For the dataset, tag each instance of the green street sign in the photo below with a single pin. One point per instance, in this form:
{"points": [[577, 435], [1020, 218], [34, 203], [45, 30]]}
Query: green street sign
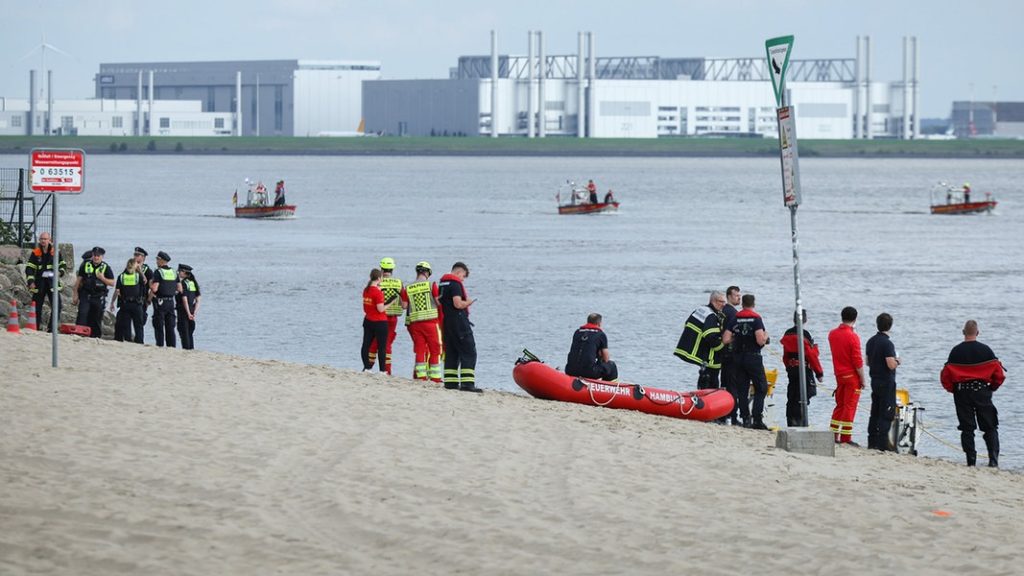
{"points": [[778, 50]]}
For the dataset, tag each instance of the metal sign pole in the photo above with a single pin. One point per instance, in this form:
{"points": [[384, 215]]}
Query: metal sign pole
{"points": [[777, 51], [799, 318], [55, 283]]}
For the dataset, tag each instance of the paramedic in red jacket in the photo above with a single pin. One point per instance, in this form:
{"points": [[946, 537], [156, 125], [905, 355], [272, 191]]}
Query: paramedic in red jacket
{"points": [[848, 365], [972, 373]]}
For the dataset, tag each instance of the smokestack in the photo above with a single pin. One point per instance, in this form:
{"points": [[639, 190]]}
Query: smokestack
{"points": [[916, 86], [868, 128], [581, 101], [529, 85], [494, 83], [856, 93], [906, 89], [138, 107], [31, 102], [592, 75], [151, 102], [541, 73], [49, 102], [238, 103]]}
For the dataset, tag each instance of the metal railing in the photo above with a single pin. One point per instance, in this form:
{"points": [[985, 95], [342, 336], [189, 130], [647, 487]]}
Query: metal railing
{"points": [[22, 215]]}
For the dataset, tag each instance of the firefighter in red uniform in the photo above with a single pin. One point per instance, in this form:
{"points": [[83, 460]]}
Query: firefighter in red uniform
{"points": [[972, 373], [848, 364], [419, 299], [791, 358], [391, 287]]}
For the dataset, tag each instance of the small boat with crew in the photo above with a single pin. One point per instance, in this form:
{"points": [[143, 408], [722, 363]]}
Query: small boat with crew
{"points": [[947, 199], [584, 200], [258, 204], [544, 382]]}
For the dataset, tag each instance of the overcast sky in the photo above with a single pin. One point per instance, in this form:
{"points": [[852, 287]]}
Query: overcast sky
{"points": [[979, 42]]}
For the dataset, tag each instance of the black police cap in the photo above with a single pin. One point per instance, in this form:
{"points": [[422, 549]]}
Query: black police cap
{"points": [[184, 267], [163, 256], [98, 250], [139, 250]]}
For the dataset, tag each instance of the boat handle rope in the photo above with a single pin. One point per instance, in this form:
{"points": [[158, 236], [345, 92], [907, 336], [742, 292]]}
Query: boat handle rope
{"points": [[580, 382]]}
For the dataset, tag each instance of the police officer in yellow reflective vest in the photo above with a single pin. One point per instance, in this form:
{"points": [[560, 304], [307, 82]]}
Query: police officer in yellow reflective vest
{"points": [[94, 277], [392, 288], [165, 289], [701, 340], [419, 299], [187, 306]]}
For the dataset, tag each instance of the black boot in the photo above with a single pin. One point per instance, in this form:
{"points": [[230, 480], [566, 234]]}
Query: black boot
{"points": [[758, 425], [992, 444], [972, 458], [746, 422]]}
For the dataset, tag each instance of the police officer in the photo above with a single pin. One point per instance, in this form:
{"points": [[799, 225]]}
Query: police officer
{"points": [[188, 306], [94, 277], [130, 293], [747, 334], [147, 273], [164, 289], [459, 344], [728, 373], [39, 275]]}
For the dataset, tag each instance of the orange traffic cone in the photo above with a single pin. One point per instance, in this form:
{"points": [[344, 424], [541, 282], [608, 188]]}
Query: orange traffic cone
{"points": [[12, 321], [30, 324]]}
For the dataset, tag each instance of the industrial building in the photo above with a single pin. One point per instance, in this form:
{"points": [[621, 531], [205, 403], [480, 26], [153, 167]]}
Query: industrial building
{"points": [[583, 95], [42, 114], [992, 119], [278, 97]]}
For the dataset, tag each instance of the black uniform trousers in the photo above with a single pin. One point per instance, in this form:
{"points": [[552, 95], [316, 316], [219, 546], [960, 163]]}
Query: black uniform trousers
{"points": [[90, 312], [43, 296], [794, 415], [186, 330], [974, 409], [883, 411], [129, 321], [459, 355], [750, 370], [375, 331], [728, 380], [163, 321]]}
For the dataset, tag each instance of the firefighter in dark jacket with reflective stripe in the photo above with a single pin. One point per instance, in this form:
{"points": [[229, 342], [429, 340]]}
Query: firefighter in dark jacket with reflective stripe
{"points": [[187, 306], [701, 340], [39, 275], [94, 277], [589, 356], [459, 343], [130, 294], [972, 373], [747, 334], [164, 289]]}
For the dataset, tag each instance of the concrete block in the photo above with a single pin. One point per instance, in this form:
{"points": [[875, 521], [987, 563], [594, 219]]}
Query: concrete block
{"points": [[816, 442]]}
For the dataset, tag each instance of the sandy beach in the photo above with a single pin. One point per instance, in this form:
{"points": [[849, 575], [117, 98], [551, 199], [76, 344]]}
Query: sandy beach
{"points": [[137, 460]]}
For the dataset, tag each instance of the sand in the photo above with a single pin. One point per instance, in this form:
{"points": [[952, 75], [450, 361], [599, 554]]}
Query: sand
{"points": [[138, 460]]}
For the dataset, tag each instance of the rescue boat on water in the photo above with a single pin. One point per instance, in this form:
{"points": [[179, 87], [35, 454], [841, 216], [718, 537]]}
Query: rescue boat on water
{"points": [[958, 200], [542, 381], [579, 201], [258, 205]]}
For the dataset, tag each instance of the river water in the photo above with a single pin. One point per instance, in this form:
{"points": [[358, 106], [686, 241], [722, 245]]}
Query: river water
{"points": [[290, 289]]}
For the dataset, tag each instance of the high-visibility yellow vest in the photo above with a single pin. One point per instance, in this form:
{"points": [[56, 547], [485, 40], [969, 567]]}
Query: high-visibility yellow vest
{"points": [[167, 274], [129, 279], [392, 287], [421, 301]]}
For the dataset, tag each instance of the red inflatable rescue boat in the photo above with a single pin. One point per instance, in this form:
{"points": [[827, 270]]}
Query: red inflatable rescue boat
{"points": [[543, 381]]}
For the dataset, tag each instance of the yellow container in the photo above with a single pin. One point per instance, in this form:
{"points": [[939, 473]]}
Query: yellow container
{"points": [[902, 397], [772, 375]]}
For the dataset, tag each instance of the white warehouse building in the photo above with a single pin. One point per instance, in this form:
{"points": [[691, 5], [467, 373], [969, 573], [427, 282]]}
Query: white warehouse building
{"points": [[644, 97]]}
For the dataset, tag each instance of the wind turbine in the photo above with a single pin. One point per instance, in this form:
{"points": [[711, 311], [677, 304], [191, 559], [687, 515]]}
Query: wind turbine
{"points": [[42, 48]]}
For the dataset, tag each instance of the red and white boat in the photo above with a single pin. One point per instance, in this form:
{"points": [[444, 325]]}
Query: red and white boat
{"points": [[579, 201], [957, 201], [543, 381], [282, 211], [258, 205]]}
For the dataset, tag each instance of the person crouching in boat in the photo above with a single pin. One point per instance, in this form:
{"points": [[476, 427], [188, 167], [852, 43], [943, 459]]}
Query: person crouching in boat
{"points": [[279, 194], [589, 356], [609, 197]]}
